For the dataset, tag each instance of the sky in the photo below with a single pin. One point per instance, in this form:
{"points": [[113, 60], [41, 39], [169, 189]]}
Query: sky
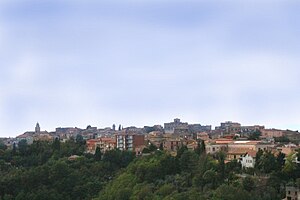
{"points": [[73, 63]]}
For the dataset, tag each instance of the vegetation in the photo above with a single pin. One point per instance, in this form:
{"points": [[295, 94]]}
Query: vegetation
{"points": [[43, 171], [191, 175], [46, 171]]}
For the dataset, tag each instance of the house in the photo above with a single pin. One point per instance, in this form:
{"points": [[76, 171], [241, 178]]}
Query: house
{"points": [[202, 136], [248, 160], [25, 136], [172, 144], [104, 143], [292, 193]]}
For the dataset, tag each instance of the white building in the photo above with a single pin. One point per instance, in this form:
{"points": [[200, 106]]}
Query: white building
{"points": [[248, 160]]}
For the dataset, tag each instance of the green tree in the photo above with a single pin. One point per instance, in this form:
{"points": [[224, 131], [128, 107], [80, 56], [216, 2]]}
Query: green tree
{"points": [[56, 144], [181, 150], [22, 146], [98, 154], [79, 139], [254, 135], [228, 192], [2, 146], [267, 162], [248, 183]]}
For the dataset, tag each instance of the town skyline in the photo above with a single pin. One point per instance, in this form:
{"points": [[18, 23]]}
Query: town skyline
{"points": [[213, 126]]}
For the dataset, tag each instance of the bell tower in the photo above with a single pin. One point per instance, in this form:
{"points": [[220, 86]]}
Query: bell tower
{"points": [[37, 128]]}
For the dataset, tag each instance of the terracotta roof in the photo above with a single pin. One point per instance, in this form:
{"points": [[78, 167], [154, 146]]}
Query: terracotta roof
{"points": [[252, 153], [238, 151], [107, 139]]}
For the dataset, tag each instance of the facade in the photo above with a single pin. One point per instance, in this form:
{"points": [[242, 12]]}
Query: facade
{"points": [[212, 148], [248, 160], [237, 128], [202, 136], [25, 136], [172, 144], [105, 144], [129, 141], [195, 128], [293, 136], [229, 127], [271, 133], [292, 193], [170, 127], [67, 133]]}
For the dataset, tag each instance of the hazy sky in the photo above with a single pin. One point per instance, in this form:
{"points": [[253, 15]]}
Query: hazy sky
{"points": [[75, 63]]}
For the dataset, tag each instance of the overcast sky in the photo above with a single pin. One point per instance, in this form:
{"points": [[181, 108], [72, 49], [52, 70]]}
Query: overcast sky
{"points": [[78, 63]]}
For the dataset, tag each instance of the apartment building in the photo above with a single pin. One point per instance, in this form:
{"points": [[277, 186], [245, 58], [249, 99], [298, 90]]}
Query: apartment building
{"points": [[129, 141]]}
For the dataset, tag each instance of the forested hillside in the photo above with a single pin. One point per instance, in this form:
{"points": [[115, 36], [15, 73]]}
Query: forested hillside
{"points": [[44, 171], [51, 171]]}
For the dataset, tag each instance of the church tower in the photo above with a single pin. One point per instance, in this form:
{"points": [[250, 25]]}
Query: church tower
{"points": [[37, 128]]}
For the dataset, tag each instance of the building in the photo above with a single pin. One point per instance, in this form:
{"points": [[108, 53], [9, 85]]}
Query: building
{"points": [[170, 127], [248, 160], [172, 144], [105, 144], [36, 135], [195, 128], [214, 148], [229, 127], [67, 133], [202, 136], [271, 133], [129, 141], [292, 193], [27, 137]]}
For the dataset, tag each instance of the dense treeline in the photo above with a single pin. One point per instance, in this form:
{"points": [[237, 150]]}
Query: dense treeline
{"points": [[194, 175], [43, 171]]}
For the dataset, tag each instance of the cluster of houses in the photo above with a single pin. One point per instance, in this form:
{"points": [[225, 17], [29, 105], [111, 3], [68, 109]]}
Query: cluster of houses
{"points": [[230, 138]]}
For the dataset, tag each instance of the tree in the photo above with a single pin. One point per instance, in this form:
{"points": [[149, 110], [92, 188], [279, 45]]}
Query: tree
{"points": [[200, 149], [290, 165], [248, 183], [221, 164], [2, 146], [56, 144], [254, 135], [280, 160], [14, 150], [79, 139], [282, 139], [229, 192], [22, 145], [98, 154], [120, 127], [258, 157], [267, 162], [152, 147], [181, 150]]}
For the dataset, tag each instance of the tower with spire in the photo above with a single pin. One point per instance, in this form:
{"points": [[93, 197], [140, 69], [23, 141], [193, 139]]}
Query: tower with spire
{"points": [[37, 128]]}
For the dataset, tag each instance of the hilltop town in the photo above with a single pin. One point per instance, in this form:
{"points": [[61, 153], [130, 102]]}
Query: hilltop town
{"points": [[242, 160], [237, 141]]}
